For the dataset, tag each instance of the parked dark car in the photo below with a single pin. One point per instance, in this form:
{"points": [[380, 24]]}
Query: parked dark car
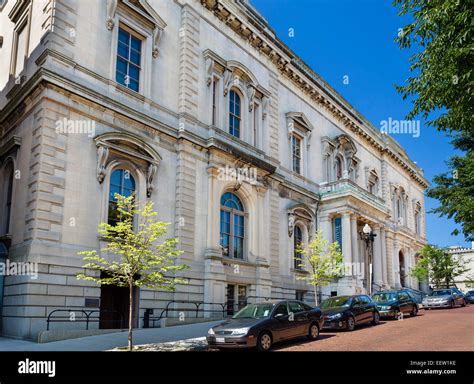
{"points": [[470, 297], [395, 303], [444, 298], [345, 312], [261, 325]]}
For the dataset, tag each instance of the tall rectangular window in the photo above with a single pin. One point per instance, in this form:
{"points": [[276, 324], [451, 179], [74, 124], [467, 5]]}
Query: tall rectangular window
{"points": [[129, 51], [338, 231], [296, 153], [21, 46]]}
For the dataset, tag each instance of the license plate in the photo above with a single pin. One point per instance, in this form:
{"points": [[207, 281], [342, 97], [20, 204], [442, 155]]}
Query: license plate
{"points": [[220, 340]]}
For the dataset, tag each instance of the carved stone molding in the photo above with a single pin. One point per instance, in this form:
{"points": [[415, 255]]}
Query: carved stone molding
{"points": [[111, 10], [102, 156]]}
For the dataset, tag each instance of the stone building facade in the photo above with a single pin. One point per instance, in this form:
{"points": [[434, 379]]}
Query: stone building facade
{"points": [[172, 99]]}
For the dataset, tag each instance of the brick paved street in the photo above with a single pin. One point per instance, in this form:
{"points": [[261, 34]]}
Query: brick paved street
{"points": [[434, 330]]}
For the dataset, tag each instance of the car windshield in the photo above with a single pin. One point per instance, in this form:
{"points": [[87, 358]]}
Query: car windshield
{"points": [[441, 292], [385, 296], [254, 311], [336, 302]]}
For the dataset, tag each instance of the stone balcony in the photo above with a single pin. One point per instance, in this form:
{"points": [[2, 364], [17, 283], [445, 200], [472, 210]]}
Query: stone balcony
{"points": [[346, 188]]}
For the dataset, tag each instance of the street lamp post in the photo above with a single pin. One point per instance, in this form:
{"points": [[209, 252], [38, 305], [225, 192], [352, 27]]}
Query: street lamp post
{"points": [[368, 236]]}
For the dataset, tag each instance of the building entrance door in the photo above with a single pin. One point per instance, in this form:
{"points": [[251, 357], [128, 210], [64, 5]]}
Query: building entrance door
{"points": [[114, 307]]}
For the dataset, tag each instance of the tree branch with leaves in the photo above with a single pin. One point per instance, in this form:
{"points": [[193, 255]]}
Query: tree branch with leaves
{"points": [[322, 261], [136, 254]]}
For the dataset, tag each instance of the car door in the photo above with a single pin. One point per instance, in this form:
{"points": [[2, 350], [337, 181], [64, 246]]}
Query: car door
{"points": [[300, 316], [281, 327], [404, 302], [367, 307], [357, 309], [458, 297]]}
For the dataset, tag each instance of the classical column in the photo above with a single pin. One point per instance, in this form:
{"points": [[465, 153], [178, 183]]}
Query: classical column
{"points": [[390, 267], [325, 226], [383, 242], [396, 265], [355, 246], [346, 239], [377, 260]]}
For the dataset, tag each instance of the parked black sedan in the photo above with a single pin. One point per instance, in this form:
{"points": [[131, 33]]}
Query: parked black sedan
{"points": [[345, 312], [395, 303], [261, 325]]}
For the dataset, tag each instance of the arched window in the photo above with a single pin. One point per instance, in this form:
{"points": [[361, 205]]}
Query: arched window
{"points": [[298, 240], [123, 183], [235, 116], [8, 197], [338, 168], [232, 229]]}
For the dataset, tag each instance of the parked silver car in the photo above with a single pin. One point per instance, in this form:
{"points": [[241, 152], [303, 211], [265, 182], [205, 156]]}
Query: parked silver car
{"points": [[443, 298]]}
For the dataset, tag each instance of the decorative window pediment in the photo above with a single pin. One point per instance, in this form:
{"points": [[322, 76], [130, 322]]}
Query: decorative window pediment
{"points": [[300, 213], [111, 146], [297, 121], [340, 158], [141, 10]]}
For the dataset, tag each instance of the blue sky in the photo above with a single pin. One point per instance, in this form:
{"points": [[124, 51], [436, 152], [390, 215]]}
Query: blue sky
{"points": [[338, 38]]}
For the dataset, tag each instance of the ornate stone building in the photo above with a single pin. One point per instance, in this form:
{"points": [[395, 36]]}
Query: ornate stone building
{"points": [[200, 108]]}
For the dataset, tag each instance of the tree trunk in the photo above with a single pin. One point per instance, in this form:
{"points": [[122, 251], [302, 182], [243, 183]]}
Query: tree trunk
{"points": [[130, 318], [315, 295]]}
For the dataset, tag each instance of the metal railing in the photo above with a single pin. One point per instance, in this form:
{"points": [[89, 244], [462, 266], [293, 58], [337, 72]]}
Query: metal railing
{"points": [[86, 318], [171, 311]]}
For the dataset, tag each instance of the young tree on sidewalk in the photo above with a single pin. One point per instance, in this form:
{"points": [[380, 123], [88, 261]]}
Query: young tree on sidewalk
{"points": [[139, 255], [322, 261], [438, 266]]}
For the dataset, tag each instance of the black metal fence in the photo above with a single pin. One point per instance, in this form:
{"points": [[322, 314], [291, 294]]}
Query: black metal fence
{"points": [[86, 316]]}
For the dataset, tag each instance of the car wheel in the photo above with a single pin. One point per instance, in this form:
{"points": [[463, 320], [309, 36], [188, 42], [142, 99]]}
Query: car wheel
{"points": [[264, 342], [350, 324], [376, 319], [452, 304], [396, 315], [414, 311], [313, 332]]}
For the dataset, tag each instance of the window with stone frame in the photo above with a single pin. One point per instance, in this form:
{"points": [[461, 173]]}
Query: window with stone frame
{"points": [[417, 217], [297, 243], [129, 58], [122, 183], [373, 182], [232, 226], [296, 153], [20, 15], [235, 113], [299, 135]]}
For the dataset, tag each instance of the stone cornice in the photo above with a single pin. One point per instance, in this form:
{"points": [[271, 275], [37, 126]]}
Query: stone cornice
{"points": [[247, 23]]}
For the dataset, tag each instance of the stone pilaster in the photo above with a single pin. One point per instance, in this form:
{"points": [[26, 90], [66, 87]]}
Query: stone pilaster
{"points": [[273, 113], [377, 259], [188, 102], [185, 199]]}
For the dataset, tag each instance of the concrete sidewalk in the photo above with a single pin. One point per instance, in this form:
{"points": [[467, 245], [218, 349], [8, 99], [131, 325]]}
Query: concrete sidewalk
{"points": [[112, 340]]}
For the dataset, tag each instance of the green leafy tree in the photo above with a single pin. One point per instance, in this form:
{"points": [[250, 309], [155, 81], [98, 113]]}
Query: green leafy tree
{"points": [[321, 260], [138, 256], [438, 266], [441, 88]]}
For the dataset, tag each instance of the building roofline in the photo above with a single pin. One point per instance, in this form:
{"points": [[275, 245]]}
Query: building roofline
{"points": [[291, 65]]}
